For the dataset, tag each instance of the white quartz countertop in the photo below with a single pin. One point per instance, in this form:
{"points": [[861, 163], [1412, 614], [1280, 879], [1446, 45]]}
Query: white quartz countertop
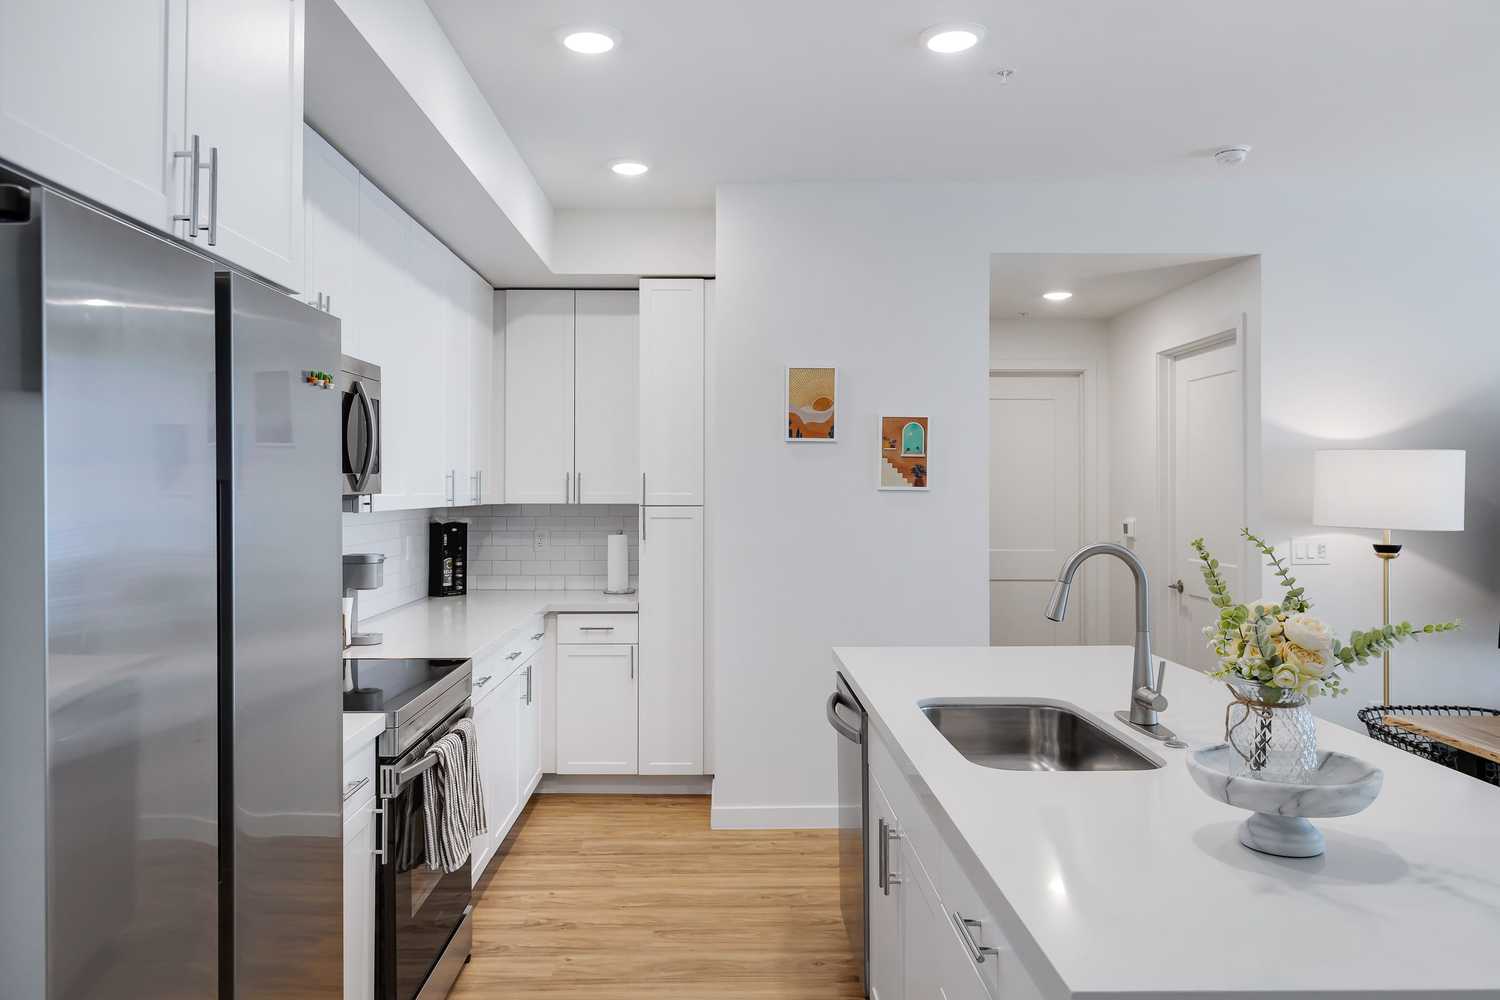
{"points": [[361, 729], [477, 624], [1133, 883]]}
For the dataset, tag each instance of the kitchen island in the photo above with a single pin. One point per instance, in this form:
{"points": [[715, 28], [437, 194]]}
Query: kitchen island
{"points": [[1113, 884]]}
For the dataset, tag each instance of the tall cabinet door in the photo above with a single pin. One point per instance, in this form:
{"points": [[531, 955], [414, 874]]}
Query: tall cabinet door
{"points": [[244, 98], [596, 709], [382, 304], [483, 484], [672, 395], [529, 731], [539, 396], [91, 99], [608, 463], [671, 640], [330, 198]]}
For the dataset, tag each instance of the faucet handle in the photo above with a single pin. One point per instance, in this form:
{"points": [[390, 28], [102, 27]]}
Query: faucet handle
{"points": [[1161, 677]]}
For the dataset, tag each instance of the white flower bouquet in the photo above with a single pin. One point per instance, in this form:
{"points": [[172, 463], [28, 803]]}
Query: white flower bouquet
{"points": [[1282, 648]]}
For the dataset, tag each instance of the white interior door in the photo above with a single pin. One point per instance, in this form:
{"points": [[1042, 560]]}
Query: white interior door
{"points": [[1036, 461], [1206, 472], [608, 338]]}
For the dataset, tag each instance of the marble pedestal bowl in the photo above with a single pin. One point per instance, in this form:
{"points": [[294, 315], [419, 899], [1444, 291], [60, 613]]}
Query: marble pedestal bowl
{"points": [[1279, 810]]}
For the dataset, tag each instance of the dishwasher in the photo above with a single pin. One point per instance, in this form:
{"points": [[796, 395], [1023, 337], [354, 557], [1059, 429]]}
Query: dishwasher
{"points": [[847, 716]]}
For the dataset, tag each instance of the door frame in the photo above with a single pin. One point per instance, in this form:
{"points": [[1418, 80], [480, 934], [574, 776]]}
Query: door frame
{"points": [[1092, 508], [1233, 329]]}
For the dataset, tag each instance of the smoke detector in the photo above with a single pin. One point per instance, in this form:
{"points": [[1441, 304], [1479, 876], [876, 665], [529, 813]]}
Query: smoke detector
{"points": [[1231, 156]]}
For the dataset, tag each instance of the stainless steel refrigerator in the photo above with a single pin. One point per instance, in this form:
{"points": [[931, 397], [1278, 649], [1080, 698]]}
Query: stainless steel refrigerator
{"points": [[170, 664]]}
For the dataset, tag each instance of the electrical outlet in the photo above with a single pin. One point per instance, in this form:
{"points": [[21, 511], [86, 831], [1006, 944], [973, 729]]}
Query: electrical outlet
{"points": [[539, 539], [1309, 552]]}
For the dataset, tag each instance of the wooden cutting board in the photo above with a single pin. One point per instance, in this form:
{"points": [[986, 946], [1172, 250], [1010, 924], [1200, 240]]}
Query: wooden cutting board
{"points": [[1477, 734]]}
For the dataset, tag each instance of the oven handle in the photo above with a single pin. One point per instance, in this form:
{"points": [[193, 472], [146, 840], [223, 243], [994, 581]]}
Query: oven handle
{"points": [[372, 439], [393, 779]]}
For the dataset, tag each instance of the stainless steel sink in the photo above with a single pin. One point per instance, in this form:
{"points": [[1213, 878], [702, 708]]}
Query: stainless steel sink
{"points": [[1033, 737]]}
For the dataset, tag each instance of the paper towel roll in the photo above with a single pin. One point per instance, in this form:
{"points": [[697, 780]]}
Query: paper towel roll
{"points": [[617, 564]]}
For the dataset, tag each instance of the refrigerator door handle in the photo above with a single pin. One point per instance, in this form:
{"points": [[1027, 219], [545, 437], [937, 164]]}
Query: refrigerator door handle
{"points": [[372, 438]]}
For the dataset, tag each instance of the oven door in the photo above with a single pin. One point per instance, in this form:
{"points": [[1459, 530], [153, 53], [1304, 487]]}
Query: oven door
{"points": [[360, 450], [419, 910]]}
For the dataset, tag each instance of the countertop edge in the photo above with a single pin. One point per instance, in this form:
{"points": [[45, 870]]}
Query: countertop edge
{"points": [[361, 729]]}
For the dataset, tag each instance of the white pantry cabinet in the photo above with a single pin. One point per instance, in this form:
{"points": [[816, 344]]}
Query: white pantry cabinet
{"points": [[672, 412], [102, 97], [539, 396], [596, 709], [484, 481], [359, 902], [91, 99], [607, 460], [671, 640], [244, 99]]}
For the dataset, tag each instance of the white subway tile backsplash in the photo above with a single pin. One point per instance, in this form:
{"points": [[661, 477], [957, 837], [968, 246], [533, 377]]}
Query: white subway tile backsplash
{"points": [[502, 553]]}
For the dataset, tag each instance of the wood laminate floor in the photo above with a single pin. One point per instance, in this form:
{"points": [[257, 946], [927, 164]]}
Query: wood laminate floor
{"points": [[603, 897]]}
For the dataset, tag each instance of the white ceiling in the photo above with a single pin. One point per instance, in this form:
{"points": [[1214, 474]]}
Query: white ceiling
{"points": [[719, 91], [1103, 284]]}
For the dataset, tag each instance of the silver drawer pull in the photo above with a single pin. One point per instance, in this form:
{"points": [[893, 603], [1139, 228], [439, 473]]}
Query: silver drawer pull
{"points": [[537, 636], [596, 628], [354, 786], [978, 952], [481, 682], [512, 656]]}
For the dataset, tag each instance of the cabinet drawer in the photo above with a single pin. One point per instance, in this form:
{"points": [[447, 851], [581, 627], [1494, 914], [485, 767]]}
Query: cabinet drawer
{"points": [[1001, 971], [610, 628], [359, 779]]}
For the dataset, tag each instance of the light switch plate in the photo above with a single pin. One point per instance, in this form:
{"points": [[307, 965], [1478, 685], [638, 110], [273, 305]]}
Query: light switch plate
{"points": [[1309, 552]]}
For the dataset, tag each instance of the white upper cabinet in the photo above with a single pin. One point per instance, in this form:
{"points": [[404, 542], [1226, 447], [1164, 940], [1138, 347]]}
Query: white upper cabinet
{"points": [[422, 361], [330, 193], [91, 99], [105, 98], [671, 640], [244, 100], [673, 333], [451, 322], [484, 478], [539, 396], [607, 462]]}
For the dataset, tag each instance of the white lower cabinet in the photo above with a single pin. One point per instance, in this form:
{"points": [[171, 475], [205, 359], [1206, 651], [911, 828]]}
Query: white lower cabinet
{"points": [[931, 936], [506, 718], [596, 709], [359, 902], [529, 732], [671, 640]]}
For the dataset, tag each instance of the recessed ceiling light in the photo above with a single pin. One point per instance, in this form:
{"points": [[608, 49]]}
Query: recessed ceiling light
{"points": [[950, 38], [629, 168], [591, 42], [1060, 295]]}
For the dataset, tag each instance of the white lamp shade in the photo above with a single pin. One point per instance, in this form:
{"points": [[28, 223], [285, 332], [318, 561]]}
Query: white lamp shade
{"points": [[1400, 490]]}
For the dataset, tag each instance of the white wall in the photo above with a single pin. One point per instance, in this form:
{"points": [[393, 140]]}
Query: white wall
{"points": [[625, 241], [1136, 337], [1062, 344], [1377, 329]]}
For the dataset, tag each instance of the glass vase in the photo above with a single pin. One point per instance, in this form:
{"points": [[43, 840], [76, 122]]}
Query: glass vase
{"points": [[1273, 732]]}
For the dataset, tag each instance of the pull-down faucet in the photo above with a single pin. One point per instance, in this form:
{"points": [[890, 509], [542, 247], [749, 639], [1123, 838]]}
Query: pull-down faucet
{"points": [[1146, 699]]}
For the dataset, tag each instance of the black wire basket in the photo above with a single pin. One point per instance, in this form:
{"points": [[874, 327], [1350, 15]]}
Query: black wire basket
{"points": [[1433, 750]]}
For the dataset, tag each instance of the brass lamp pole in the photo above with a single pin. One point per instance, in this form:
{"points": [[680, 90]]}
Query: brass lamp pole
{"points": [[1408, 490]]}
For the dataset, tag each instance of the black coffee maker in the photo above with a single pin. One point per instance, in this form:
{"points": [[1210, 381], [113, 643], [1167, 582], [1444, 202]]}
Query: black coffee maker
{"points": [[447, 557]]}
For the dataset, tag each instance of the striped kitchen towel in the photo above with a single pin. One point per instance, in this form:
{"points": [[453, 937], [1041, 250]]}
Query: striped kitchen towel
{"points": [[453, 798]]}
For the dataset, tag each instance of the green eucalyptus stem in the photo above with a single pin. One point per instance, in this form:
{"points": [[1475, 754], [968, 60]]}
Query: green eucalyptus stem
{"points": [[1295, 601]]}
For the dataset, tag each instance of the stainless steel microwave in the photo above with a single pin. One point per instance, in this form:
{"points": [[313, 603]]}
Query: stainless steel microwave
{"points": [[359, 381]]}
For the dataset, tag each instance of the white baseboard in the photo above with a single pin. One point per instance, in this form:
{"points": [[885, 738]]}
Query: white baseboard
{"points": [[774, 817], [626, 784]]}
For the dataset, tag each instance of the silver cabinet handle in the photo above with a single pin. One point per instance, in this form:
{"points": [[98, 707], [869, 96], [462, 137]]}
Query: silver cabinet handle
{"points": [[194, 157], [887, 877], [567, 487], [528, 685], [354, 786], [481, 682], [512, 656], [537, 636], [594, 628], [966, 926], [478, 479], [213, 196], [578, 490], [632, 663], [643, 506], [328, 303], [380, 833]]}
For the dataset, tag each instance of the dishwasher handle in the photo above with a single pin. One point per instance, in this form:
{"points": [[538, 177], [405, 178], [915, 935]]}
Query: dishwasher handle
{"points": [[844, 729]]}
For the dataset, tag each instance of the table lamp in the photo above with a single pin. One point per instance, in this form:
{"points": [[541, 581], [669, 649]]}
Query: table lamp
{"points": [[1386, 490]]}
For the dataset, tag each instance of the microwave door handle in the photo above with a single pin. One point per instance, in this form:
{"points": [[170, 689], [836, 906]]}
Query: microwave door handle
{"points": [[372, 438]]}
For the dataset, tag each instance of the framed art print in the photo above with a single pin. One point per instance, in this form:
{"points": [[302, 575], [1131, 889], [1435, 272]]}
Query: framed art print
{"points": [[903, 453], [811, 404]]}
